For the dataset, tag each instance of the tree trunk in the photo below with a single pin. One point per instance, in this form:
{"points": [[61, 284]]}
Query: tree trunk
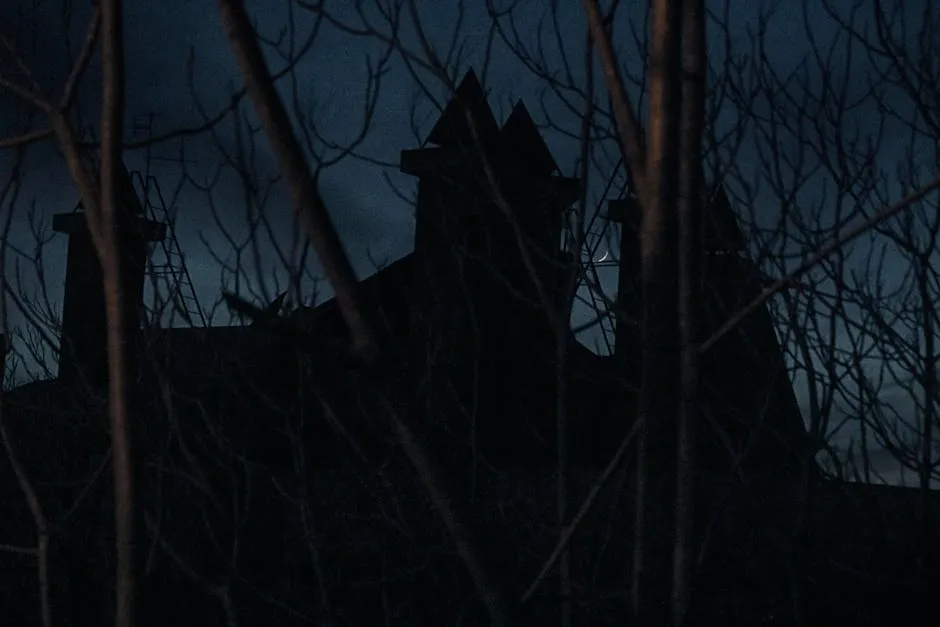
{"points": [[689, 280], [112, 121], [653, 537]]}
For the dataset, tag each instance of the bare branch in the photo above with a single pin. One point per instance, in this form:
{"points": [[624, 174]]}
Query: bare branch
{"points": [[631, 136], [325, 240], [26, 138], [307, 202], [84, 56], [818, 256]]}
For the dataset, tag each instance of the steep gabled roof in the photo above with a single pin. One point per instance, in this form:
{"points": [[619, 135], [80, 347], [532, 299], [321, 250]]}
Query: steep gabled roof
{"points": [[720, 229], [521, 139], [452, 127]]}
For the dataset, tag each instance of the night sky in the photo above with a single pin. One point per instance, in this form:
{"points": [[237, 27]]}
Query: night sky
{"points": [[375, 223]]}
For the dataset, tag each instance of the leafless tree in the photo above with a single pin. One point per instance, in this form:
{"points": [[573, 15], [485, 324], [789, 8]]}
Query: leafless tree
{"points": [[656, 130], [100, 205]]}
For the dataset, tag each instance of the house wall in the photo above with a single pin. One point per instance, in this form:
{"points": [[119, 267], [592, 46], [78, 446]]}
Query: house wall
{"points": [[248, 446]]}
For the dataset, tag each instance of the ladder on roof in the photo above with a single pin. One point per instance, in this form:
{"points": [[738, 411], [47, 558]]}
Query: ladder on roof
{"points": [[166, 264]]}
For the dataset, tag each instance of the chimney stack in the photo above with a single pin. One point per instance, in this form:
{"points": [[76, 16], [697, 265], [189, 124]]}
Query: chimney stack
{"points": [[718, 232], [83, 354]]}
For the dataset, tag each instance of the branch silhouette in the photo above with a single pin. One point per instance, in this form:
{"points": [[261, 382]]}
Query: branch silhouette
{"points": [[817, 257], [326, 242]]}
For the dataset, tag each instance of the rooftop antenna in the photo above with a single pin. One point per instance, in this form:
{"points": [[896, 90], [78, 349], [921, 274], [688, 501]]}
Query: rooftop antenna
{"points": [[166, 266]]}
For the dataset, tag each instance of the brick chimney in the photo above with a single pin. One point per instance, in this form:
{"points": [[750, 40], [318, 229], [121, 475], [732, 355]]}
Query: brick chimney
{"points": [[83, 355]]}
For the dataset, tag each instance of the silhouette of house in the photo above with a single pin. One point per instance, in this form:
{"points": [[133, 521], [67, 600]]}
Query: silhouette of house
{"points": [[234, 429], [475, 315]]}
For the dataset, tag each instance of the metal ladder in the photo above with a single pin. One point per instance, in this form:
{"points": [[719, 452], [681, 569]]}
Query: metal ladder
{"points": [[171, 273]]}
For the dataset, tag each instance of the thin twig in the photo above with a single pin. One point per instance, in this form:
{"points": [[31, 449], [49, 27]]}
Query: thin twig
{"points": [[41, 550], [631, 135], [81, 62], [582, 512], [26, 138], [293, 164]]}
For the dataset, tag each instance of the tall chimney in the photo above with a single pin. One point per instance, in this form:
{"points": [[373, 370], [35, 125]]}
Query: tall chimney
{"points": [[718, 232], [83, 355]]}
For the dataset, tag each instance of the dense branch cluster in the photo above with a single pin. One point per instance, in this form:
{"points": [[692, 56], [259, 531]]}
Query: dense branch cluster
{"points": [[566, 404]]}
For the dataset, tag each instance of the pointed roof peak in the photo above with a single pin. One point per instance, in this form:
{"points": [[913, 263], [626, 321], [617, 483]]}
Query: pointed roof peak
{"points": [[721, 231], [452, 128], [522, 138], [470, 86]]}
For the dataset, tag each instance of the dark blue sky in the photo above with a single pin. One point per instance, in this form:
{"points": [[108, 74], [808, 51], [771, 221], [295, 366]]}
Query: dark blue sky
{"points": [[377, 225]]}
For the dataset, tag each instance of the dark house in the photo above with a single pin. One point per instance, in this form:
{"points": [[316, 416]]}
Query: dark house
{"points": [[265, 479]]}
